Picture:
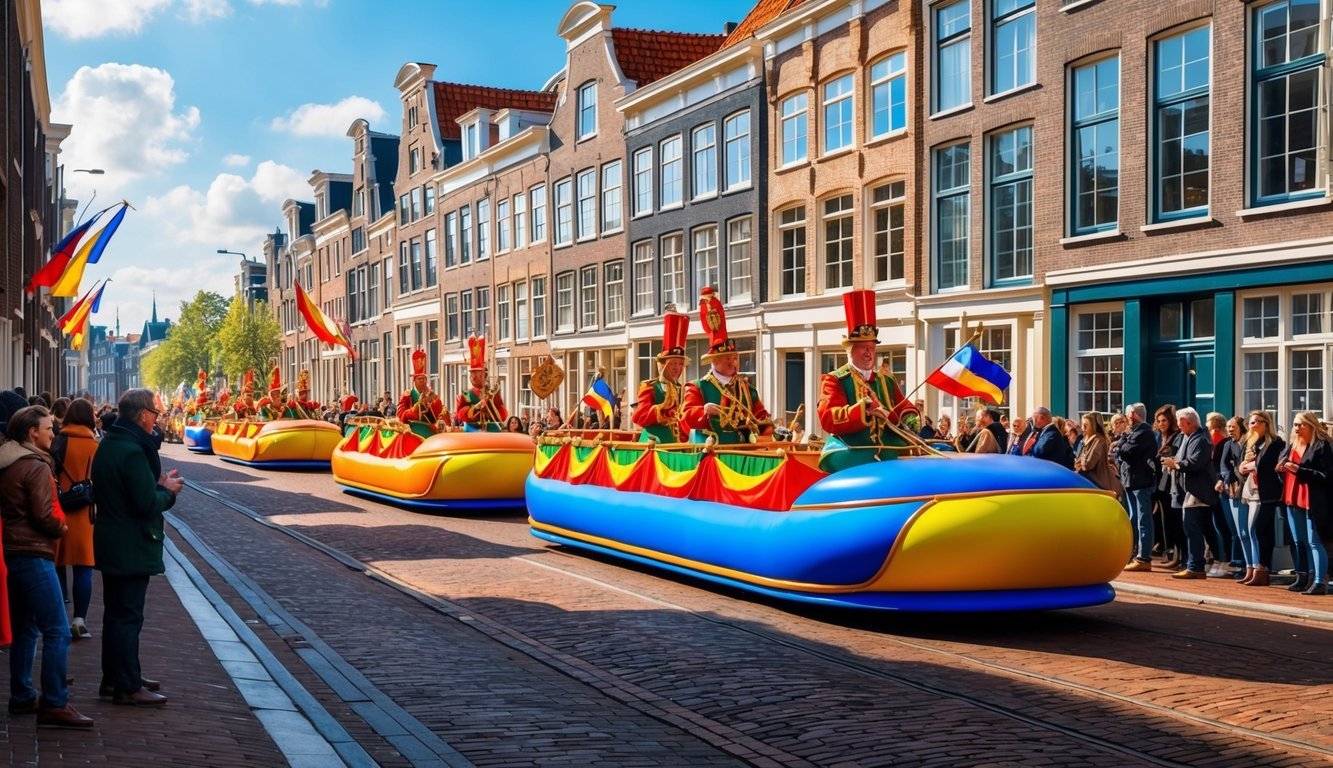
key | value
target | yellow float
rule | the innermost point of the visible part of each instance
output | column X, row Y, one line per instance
column 281, row 443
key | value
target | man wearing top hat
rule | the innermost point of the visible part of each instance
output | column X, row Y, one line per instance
column 275, row 405
column 723, row 405
column 301, row 406
column 660, row 401
column 857, row 403
column 419, row 407
column 479, row 409
column 245, row 402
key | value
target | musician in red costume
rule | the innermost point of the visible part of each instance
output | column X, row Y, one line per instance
column 301, row 406
column 275, row 405
column 245, row 407
column 864, row 408
column 419, row 407
column 480, row 409
column 660, row 402
column 723, row 404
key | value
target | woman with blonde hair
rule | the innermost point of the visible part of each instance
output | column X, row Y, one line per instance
column 1094, row 456
column 1261, row 490
column 1306, row 467
column 1229, row 484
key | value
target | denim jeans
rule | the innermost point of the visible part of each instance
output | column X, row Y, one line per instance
column 1197, row 521
column 83, row 589
column 1316, row 557
column 1240, row 522
column 36, row 608
column 1140, row 516
column 1263, row 531
column 1298, row 522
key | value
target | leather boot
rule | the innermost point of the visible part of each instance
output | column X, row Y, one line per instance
column 1249, row 574
column 1260, row 578
column 1302, row 581
column 1316, row 588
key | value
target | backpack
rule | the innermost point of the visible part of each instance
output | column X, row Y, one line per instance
column 78, row 495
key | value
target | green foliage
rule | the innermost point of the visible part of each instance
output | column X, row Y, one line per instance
column 248, row 338
column 190, row 346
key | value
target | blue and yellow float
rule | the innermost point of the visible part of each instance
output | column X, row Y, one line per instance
column 384, row 459
column 276, row 444
column 198, row 434
column 923, row 532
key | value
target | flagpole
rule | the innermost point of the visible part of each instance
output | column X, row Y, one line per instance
column 970, row 339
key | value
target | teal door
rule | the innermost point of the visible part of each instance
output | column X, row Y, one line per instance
column 1203, row 381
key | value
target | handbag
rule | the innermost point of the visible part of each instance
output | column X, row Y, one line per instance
column 77, row 496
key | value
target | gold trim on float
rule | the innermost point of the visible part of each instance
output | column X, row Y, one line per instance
column 943, row 497
column 796, row 586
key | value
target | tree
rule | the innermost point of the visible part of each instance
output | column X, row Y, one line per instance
column 191, row 345
column 248, row 338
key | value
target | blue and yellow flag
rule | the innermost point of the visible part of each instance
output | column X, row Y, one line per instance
column 600, row 397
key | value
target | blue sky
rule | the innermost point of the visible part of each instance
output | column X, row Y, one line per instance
column 207, row 114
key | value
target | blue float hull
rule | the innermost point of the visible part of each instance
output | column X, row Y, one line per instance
column 198, row 439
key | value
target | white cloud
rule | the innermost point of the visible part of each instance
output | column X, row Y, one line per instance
column 82, row 19
column 233, row 213
column 202, row 10
column 330, row 120
column 125, row 121
column 236, row 161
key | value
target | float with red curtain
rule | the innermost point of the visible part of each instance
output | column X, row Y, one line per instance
column 923, row 531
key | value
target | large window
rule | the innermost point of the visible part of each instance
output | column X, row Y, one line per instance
column 483, row 310
column 520, row 311
column 502, row 231
column 564, row 212
column 1010, row 224
column 450, row 239
column 1259, row 381
column 887, row 212
column 1286, row 349
column 587, row 190
column 465, row 235
column 1307, row 381
column 450, row 318
column 432, row 259
column 612, row 183
column 538, row 196
column 740, row 259
column 588, row 297
column 614, row 303
column 673, row 270
column 564, row 302
column 643, row 278
column 953, row 201
column 888, row 95
column 539, row 307
column 1181, row 117
column 465, row 313
column 706, row 268
column 520, row 220
column 1096, row 146
column 953, row 55
column 703, row 145
column 404, row 272
column 837, row 220
column 587, row 110
column 1286, row 81
column 794, row 129
column 670, row 189
column 483, row 228
column 1013, row 44
column 1100, row 354
column 502, row 312
column 838, row 114
column 736, row 130
column 791, row 229
column 643, row 181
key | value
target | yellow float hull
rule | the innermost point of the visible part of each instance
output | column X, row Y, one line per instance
column 278, row 443
column 475, row 469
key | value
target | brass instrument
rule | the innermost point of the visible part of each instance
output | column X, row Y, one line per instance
column 733, row 413
column 672, row 404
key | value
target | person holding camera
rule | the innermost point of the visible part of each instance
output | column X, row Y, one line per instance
column 73, row 452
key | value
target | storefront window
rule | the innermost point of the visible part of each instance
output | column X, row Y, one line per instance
column 1100, row 377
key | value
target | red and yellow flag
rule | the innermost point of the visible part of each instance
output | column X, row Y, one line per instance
column 324, row 329
column 74, row 323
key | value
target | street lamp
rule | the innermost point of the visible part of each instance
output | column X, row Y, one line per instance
column 92, row 171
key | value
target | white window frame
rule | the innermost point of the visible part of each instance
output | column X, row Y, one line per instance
column 613, row 209
column 671, row 181
column 703, row 165
column 738, row 149
column 794, row 136
column 838, row 104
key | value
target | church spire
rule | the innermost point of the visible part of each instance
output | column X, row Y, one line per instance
column 154, row 307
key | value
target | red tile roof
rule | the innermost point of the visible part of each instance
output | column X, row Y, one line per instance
column 763, row 12
column 647, row 55
column 453, row 100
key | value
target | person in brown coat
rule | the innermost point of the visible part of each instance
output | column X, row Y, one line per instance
column 73, row 451
column 1094, row 456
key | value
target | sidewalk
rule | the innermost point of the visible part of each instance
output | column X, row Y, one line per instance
column 1273, row 600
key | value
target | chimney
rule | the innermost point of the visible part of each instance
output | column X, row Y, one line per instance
column 729, row 27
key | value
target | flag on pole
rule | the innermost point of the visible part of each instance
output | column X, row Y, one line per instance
column 319, row 323
column 61, row 254
column 89, row 253
column 969, row 374
column 75, row 322
column 600, row 397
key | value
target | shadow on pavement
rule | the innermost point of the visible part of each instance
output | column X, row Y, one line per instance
column 406, row 542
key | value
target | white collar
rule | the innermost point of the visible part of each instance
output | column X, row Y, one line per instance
column 864, row 374
column 723, row 380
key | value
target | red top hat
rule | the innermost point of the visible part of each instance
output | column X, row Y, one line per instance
column 275, row 379
column 418, row 363
column 675, row 329
column 476, row 353
column 348, row 403
column 860, row 309
column 714, row 320
column 203, row 380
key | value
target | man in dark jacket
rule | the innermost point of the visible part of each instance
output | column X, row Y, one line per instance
column 1051, row 444
column 1135, row 453
column 1197, row 474
column 132, row 492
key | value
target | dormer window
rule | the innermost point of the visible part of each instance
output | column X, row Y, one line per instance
column 471, row 136
column 411, row 118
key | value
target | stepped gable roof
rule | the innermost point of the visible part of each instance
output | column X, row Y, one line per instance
column 763, row 12
column 453, row 100
column 646, row 55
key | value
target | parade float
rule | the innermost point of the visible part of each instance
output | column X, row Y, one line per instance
column 415, row 460
column 201, row 417
column 276, row 432
column 892, row 524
